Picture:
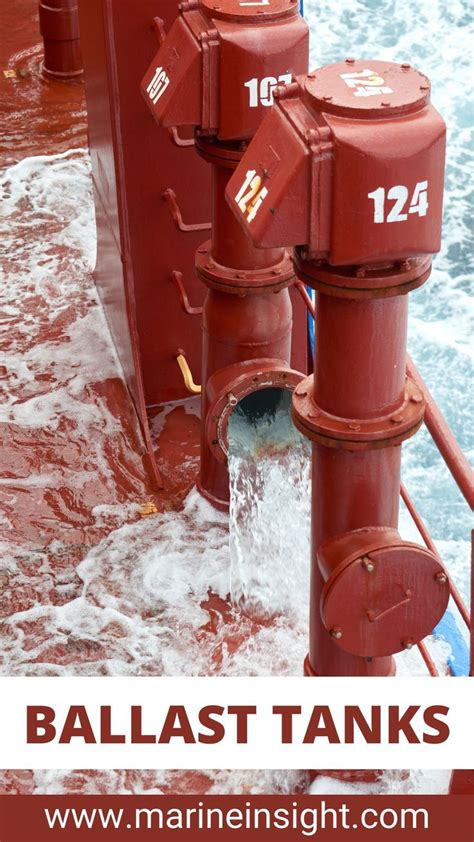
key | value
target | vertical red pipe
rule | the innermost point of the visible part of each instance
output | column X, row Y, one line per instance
column 359, row 372
column 239, row 324
column 231, row 246
column 360, row 355
column 201, row 77
column 59, row 25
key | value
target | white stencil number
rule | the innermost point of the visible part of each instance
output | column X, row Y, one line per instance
column 398, row 195
column 261, row 91
column 366, row 83
column 158, row 85
column 251, row 195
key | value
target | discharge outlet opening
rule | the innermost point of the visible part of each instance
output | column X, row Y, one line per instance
column 264, row 404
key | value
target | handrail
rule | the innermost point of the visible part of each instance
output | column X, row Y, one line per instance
column 191, row 386
column 304, row 295
column 420, row 525
column 169, row 196
column 177, row 278
column 430, row 664
column 444, row 439
column 435, row 421
column 461, row 472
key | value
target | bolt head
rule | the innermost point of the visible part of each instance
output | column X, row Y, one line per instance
column 350, row 60
column 336, row 633
column 441, row 578
column 369, row 565
column 408, row 644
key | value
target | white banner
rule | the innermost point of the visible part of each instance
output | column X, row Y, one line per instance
column 236, row 723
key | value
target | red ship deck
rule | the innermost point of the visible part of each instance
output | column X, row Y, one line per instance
column 72, row 456
column 53, row 478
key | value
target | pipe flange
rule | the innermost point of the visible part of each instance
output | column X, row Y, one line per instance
column 360, row 282
column 381, row 594
column 240, row 281
column 357, row 433
column 218, row 152
column 228, row 386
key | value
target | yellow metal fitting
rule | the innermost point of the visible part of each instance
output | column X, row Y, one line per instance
column 191, row 386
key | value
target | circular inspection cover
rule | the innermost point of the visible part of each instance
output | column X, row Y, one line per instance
column 386, row 601
column 259, row 10
column 368, row 88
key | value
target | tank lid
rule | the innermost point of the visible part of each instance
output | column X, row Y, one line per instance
column 370, row 89
column 256, row 11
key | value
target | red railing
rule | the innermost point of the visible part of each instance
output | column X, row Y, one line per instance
column 444, row 439
column 460, row 470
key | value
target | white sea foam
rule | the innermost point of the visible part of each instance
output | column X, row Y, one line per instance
column 269, row 470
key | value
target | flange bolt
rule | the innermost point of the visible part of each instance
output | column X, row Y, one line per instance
column 368, row 564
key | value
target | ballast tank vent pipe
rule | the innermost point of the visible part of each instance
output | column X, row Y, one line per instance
column 231, row 59
column 364, row 223
column 59, row 25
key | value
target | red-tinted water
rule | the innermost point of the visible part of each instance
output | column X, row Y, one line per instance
column 38, row 116
column 53, row 475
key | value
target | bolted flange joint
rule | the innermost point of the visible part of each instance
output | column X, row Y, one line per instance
column 243, row 281
column 357, row 433
column 362, row 282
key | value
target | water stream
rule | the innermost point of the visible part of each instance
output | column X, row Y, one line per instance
column 269, row 527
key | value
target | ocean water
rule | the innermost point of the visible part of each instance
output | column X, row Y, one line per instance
column 434, row 36
column 169, row 594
